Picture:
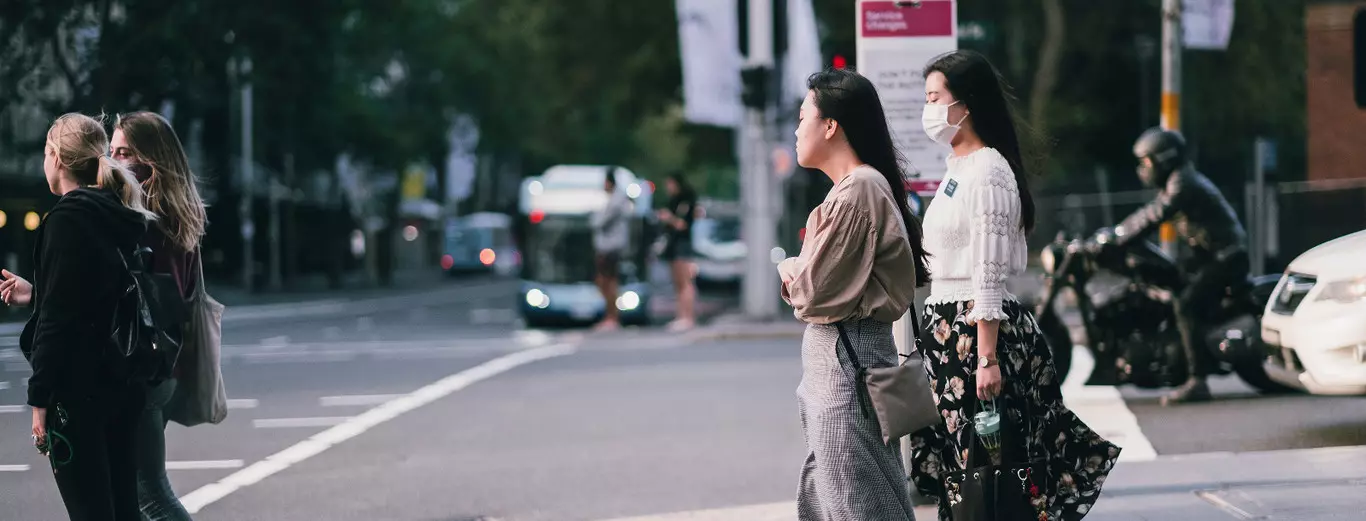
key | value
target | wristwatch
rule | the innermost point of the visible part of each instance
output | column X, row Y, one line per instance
column 984, row 362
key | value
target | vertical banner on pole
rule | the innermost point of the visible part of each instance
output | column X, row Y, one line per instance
column 894, row 45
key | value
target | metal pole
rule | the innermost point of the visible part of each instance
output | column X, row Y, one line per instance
column 761, row 282
column 1257, row 213
column 1171, row 90
column 245, row 208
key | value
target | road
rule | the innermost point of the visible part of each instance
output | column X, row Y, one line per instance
column 437, row 406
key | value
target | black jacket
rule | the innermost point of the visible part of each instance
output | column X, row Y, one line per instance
column 1196, row 207
column 76, row 284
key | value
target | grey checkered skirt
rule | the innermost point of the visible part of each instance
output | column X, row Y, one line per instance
column 849, row 475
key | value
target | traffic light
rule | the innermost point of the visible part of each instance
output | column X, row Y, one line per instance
column 755, row 80
column 839, row 62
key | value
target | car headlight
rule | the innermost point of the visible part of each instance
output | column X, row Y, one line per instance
column 628, row 301
column 537, row 299
column 1344, row 291
column 1048, row 259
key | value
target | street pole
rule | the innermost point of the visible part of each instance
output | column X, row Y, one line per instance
column 1171, row 91
column 756, row 181
column 245, row 207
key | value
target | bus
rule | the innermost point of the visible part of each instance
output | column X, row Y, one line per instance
column 481, row 243
column 558, row 260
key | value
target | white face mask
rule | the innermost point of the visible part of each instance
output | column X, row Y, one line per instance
column 936, row 123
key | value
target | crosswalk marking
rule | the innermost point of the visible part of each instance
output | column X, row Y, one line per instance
column 356, row 400
column 242, row 403
column 287, row 423
column 13, row 408
column 1103, row 408
column 205, row 464
column 14, row 468
column 784, row 511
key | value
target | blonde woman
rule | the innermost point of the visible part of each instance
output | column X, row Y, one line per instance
column 84, row 414
column 146, row 143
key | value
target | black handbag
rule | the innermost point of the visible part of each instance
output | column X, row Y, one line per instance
column 1010, row 491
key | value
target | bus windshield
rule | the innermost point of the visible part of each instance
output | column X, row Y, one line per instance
column 559, row 250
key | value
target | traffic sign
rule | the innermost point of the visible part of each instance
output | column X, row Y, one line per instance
column 896, row 40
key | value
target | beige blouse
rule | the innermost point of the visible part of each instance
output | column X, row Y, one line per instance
column 856, row 262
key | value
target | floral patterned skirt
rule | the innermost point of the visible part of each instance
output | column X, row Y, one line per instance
column 1077, row 459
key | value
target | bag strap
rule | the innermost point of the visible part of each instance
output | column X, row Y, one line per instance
column 199, row 291
column 860, row 385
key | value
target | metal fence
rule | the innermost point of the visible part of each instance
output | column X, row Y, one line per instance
column 1292, row 217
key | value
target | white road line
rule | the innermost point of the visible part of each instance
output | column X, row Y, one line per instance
column 4, row 385
column 785, row 511
column 288, row 423
column 205, row 464
column 14, row 468
column 1104, row 410
column 243, row 403
column 356, row 400
column 275, row 341
column 316, row 444
column 13, row 408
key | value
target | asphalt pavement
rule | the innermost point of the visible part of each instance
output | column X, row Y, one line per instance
column 435, row 404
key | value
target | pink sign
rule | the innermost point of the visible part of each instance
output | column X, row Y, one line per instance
column 924, row 186
column 886, row 19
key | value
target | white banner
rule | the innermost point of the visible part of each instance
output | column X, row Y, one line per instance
column 894, row 45
column 708, row 41
column 803, row 50
column 1206, row 24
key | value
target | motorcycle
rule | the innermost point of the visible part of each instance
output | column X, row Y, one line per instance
column 1131, row 328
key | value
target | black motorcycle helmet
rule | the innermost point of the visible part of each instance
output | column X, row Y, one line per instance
column 1166, row 149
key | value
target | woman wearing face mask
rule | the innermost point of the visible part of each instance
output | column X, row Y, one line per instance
column 856, row 274
column 149, row 146
column 84, row 410
column 980, row 343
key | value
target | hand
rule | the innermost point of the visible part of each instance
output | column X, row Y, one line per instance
column 14, row 290
column 39, row 426
column 989, row 382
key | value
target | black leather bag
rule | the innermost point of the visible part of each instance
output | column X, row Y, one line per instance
column 1010, row 491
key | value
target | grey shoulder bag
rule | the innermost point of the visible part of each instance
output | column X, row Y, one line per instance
column 899, row 396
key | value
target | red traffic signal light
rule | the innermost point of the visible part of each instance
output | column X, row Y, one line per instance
column 839, row 62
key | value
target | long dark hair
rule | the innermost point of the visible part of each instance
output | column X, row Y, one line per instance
column 852, row 101
column 975, row 82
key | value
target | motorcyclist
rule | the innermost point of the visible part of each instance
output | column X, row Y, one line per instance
column 1216, row 238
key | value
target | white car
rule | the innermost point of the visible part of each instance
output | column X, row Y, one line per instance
column 1315, row 322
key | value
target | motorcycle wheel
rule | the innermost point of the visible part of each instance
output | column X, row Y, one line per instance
column 1254, row 374
column 1059, row 341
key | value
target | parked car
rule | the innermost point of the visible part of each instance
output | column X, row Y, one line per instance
column 719, row 254
column 480, row 242
column 1315, row 323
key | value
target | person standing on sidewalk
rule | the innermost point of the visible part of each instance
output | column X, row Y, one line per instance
column 84, row 414
column 146, row 143
column 858, row 269
column 610, row 235
column 678, row 220
column 975, row 332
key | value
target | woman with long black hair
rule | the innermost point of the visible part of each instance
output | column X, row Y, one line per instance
column 980, row 344
column 857, row 272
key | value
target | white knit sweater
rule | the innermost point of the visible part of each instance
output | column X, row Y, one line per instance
column 973, row 234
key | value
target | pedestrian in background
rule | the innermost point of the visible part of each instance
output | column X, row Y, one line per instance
column 857, row 273
column 980, row 344
column 678, row 249
column 84, row 413
column 150, row 148
column 610, row 235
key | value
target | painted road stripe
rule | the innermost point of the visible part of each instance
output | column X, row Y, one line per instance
column 205, row 464
column 785, row 511
column 4, row 385
column 354, row 400
column 243, row 403
column 13, row 408
column 14, row 468
column 1103, row 409
column 287, row 423
column 316, row 444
